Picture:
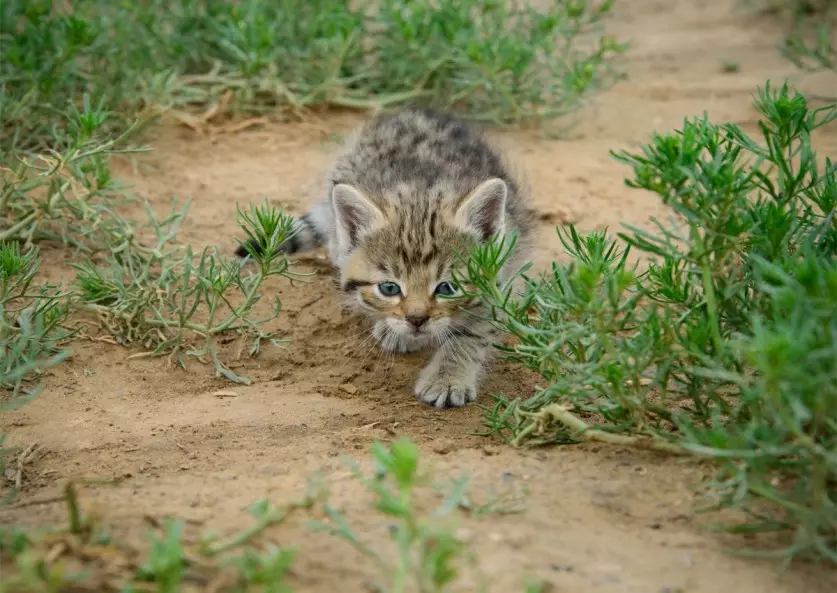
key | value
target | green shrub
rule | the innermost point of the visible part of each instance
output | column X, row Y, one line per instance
column 481, row 57
column 724, row 345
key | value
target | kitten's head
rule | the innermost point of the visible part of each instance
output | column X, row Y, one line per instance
column 396, row 261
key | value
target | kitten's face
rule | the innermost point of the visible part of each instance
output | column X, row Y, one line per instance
column 398, row 255
column 408, row 284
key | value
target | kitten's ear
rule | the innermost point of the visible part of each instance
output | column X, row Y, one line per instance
column 483, row 211
column 354, row 215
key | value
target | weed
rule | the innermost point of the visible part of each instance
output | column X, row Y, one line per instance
column 32, row 324
column 483, row 58
column 157, row 294
column 83, row 557
column 730, row 66
column 724, row 346
column 426, row 552
column 154, row 299
column 810, row 45
column 812, row 52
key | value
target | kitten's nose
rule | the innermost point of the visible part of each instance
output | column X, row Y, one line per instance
column 417, row 319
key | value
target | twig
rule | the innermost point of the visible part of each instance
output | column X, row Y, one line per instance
column 21, row 461
column 72, row 508
column 562, row 414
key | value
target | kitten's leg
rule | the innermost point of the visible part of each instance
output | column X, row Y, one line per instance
column 312, row 230
column 451, row 378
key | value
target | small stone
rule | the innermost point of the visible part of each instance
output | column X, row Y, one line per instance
column 561, row 567
column 491, row 450
column 349, row 388
column 443, row 447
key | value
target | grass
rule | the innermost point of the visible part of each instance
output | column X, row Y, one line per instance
column 488, row 60
column 724, row 347
column 32, row 323
column 426, row 552
column 83, row 556
column 810, row 44
column 135, row 284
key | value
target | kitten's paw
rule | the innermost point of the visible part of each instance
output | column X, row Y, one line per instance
column 444, row 391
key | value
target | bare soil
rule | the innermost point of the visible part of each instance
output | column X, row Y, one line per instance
column 597, row 518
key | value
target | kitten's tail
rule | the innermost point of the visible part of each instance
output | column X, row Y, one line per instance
column 310, row 233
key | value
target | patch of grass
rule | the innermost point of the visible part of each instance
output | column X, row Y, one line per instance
column 814, row 51
column 167, row 297
column 138, row 284
column 810, row 45
column 724, row 347
column 427, row 552
column 32, row 324
column 730, row 66
column 483, row 58
column 82, row 556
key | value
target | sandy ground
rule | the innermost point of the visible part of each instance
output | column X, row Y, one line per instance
column 596, row 518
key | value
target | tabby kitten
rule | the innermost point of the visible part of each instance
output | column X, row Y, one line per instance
column 410, row 189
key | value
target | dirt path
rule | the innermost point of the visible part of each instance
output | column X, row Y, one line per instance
column 597, row 518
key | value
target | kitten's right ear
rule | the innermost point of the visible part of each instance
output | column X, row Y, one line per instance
column 354, row 215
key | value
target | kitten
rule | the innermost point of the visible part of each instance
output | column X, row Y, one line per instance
column 410, row 189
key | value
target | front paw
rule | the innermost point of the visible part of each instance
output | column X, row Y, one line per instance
column 445, row 391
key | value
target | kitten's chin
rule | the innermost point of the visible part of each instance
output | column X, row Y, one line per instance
column 393, row 336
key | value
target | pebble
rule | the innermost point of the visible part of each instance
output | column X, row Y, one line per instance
column 443, row 447
column 349, row 388
column 562, row 567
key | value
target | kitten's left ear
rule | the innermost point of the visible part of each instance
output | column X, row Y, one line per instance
column 483, row 211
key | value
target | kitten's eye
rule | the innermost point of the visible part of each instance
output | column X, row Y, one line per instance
column 389, row 289
column 445, row 289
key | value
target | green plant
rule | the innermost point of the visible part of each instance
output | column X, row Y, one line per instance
column 164, row 562
column 164, row 295
column 811, row 52
column 32, row 324
column 810, row 46
column 495, row 61
column 722, row 345
column 141, row 286
column 206, row 59
column 426, row 551
column 78, row 556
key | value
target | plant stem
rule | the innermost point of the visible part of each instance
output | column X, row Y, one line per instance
column 559, row 413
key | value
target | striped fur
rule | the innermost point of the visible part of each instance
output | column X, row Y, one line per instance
column 410, row 189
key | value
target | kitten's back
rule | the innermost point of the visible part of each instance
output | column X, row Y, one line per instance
column 428, row 155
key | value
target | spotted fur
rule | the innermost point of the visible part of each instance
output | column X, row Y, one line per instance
column 410, row 189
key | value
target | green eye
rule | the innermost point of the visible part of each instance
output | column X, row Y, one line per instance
column 445, row 289
column 389, row 289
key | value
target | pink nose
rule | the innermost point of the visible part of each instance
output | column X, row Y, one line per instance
column 417, row 320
